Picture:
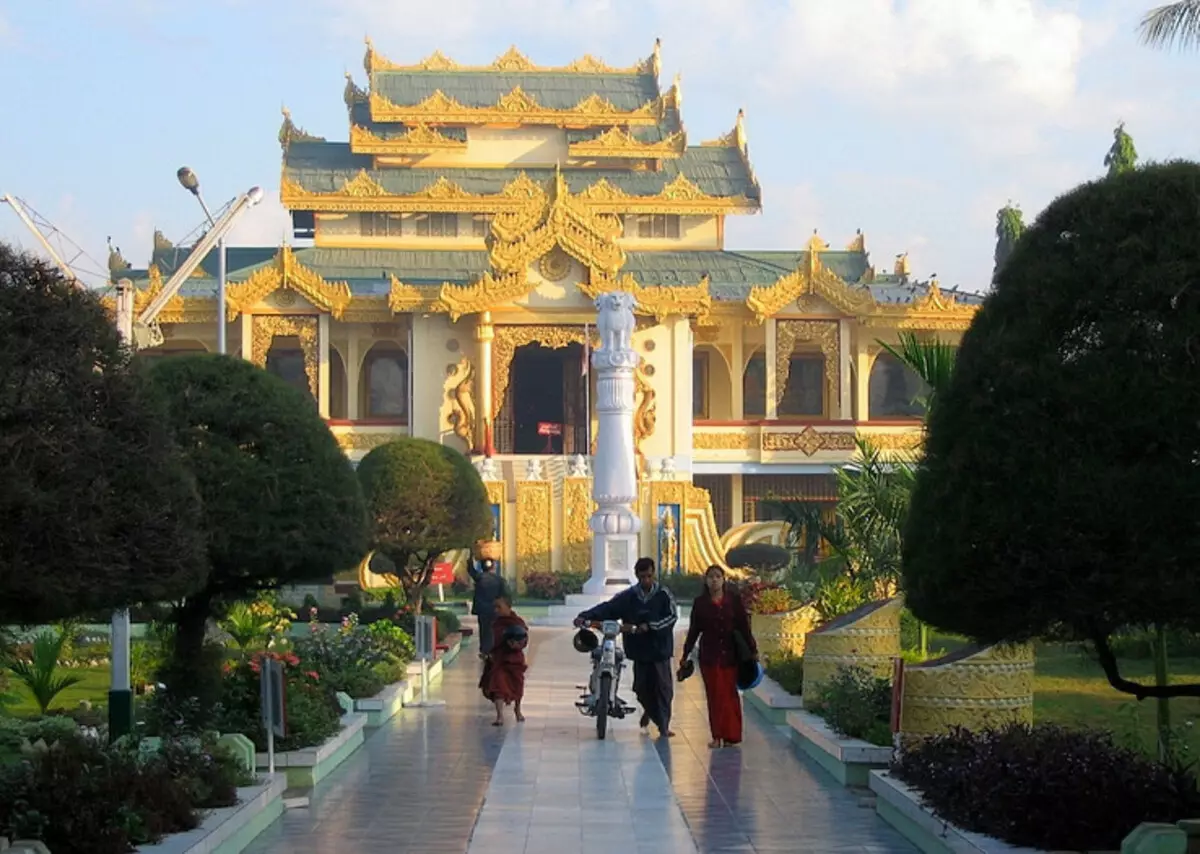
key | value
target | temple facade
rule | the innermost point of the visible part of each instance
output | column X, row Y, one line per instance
column 441, row 285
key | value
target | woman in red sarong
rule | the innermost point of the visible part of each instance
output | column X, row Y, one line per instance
column 717, row 614
column 503, row 679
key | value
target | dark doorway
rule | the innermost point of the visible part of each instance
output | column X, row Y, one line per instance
column 545, row 387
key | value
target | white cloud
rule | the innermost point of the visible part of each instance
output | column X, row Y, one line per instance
column 266, row 224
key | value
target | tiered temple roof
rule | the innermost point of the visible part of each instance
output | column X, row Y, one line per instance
column 627, row 152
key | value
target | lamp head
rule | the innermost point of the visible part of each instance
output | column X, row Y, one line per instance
column 255, row 195
column 189, row 180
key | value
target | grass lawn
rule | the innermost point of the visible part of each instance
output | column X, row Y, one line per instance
column 1071, row 690
column 94, row 688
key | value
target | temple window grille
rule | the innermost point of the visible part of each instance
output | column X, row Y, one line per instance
column 759, row 488
column 720, row 489
column 652, row 226
column 436, row 224
column 380, row 225
column 481, row 225
column 804, row 393
column 700, row 386
column 754, row 388
column 384, row 391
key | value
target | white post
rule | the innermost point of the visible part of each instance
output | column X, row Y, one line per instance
column 221, row 296
column 120, row 694
column 614, row 525
column 425, row 651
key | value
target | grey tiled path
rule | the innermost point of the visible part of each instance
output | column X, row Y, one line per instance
column 425, row 783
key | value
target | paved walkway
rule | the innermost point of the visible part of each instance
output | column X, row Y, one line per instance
column 444, row 781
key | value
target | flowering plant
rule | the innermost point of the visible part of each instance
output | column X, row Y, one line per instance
column 261, row 623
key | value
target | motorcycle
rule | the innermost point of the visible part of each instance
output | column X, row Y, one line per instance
column 602, row 700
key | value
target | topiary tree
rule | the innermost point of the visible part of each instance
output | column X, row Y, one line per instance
column 762, row 558
column 423, row 499
column 97, row 509
column 1057, row 495
column 1010, row 225
column 1122, row 155
column 281, row 502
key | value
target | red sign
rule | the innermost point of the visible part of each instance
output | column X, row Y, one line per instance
column 897, row 692
column 443, row 573
column 548, row 428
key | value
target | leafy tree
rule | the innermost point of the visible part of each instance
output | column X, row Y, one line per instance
column 1057, row 494
column 1172, row 24
column 281, row 502
column 1010, row 225
column 97, row 509
column 1122, row 156
column 423, row 499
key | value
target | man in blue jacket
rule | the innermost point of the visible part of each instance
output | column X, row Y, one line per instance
column 648, row 611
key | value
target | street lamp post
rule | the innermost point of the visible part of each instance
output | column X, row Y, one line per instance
column 192, row 184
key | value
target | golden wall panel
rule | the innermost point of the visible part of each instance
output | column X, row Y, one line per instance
column 870, row 641
column 784, row 634
column 577, row 537
column 534, row 541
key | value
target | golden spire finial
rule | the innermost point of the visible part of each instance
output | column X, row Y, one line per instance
column 656, row 58
column 859, row 243
column 369, row 55
column 739, row 129
column 902, row 268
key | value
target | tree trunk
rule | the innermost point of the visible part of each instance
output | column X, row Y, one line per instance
column 191, row 627
column 1163, row 703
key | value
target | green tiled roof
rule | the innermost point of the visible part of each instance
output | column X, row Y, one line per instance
column 236, row 258
column 323, row 167
column 360, row 114
column 848, row 265
column 554, row 90
column 688, row 267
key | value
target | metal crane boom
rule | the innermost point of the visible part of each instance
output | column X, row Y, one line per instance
column 19, row 209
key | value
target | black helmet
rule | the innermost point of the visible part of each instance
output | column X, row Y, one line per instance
column 585, row 640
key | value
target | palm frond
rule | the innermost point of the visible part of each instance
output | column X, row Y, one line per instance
column 932, row 361
column 1172, row 25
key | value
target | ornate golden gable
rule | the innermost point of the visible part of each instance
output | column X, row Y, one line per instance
column 617, row 142
column 420, row 139
column 440, row 108
column 179, row 309
column 810, row 278
column 512, row 60
column 285, row 271
column 657, row 301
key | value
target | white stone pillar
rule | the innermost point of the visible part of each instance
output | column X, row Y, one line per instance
column 614, row 525
column 485, row 334
column 323, row 365
column 353, row 367
column 737, row 374
column 845, row 401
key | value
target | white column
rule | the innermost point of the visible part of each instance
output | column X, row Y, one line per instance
column 681, row 393
column 737, row 371
column 485, row 333
column 323, row 365
column 614, row 525
column 772, row 346
column 862, row 385
column 845, row 411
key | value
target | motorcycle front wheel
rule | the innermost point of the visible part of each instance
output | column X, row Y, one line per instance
column 602, row 700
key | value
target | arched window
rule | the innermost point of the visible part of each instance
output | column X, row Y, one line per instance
column 385, row 382
column 754, row 387
column 285, row 360
column 804, row 391
column 895, row 390
column 337, row 385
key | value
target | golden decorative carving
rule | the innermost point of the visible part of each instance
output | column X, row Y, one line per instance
column 462, row 402
column 788, row 333
column 577, row 511
column 363, row 193
column 517, row 104
column 810, row 278
column 404, row 298
column 868, row 639
column 356, row 441
column 703, row 440
column 510, row 61
column 784, row 634
column 992, row 687
column 858, row 244
column 617, row 142
column 555, row 265
column 533, row 526
column 700, row 540
column 645, row 416
column 509, row 338
column 177, row 310
column 420, row 139
column 808, row 441
column 286, row 271
column 909, row 441
column 266, row 329
column 289, row 132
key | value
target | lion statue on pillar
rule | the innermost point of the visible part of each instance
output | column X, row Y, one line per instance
column 615, row 322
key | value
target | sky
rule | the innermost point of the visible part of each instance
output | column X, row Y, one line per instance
column 913, row 120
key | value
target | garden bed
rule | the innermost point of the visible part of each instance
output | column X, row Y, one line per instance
column 383, row 706
column 232, row 829
column 305, row 768
column 772, row 701
column 849, row 760
column 900, row 806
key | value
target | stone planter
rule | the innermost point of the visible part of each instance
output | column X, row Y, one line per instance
column 772, row 702
column 900, row 806
column 783, row 634
column 849, row 760
column 231, row 829
column 305, row 768
column 383, row 706
column 867, row 638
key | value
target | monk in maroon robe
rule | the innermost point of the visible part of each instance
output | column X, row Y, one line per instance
column 503, row 679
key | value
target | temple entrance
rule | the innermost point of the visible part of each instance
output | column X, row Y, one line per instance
column 545, row 404
column 285, row 360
